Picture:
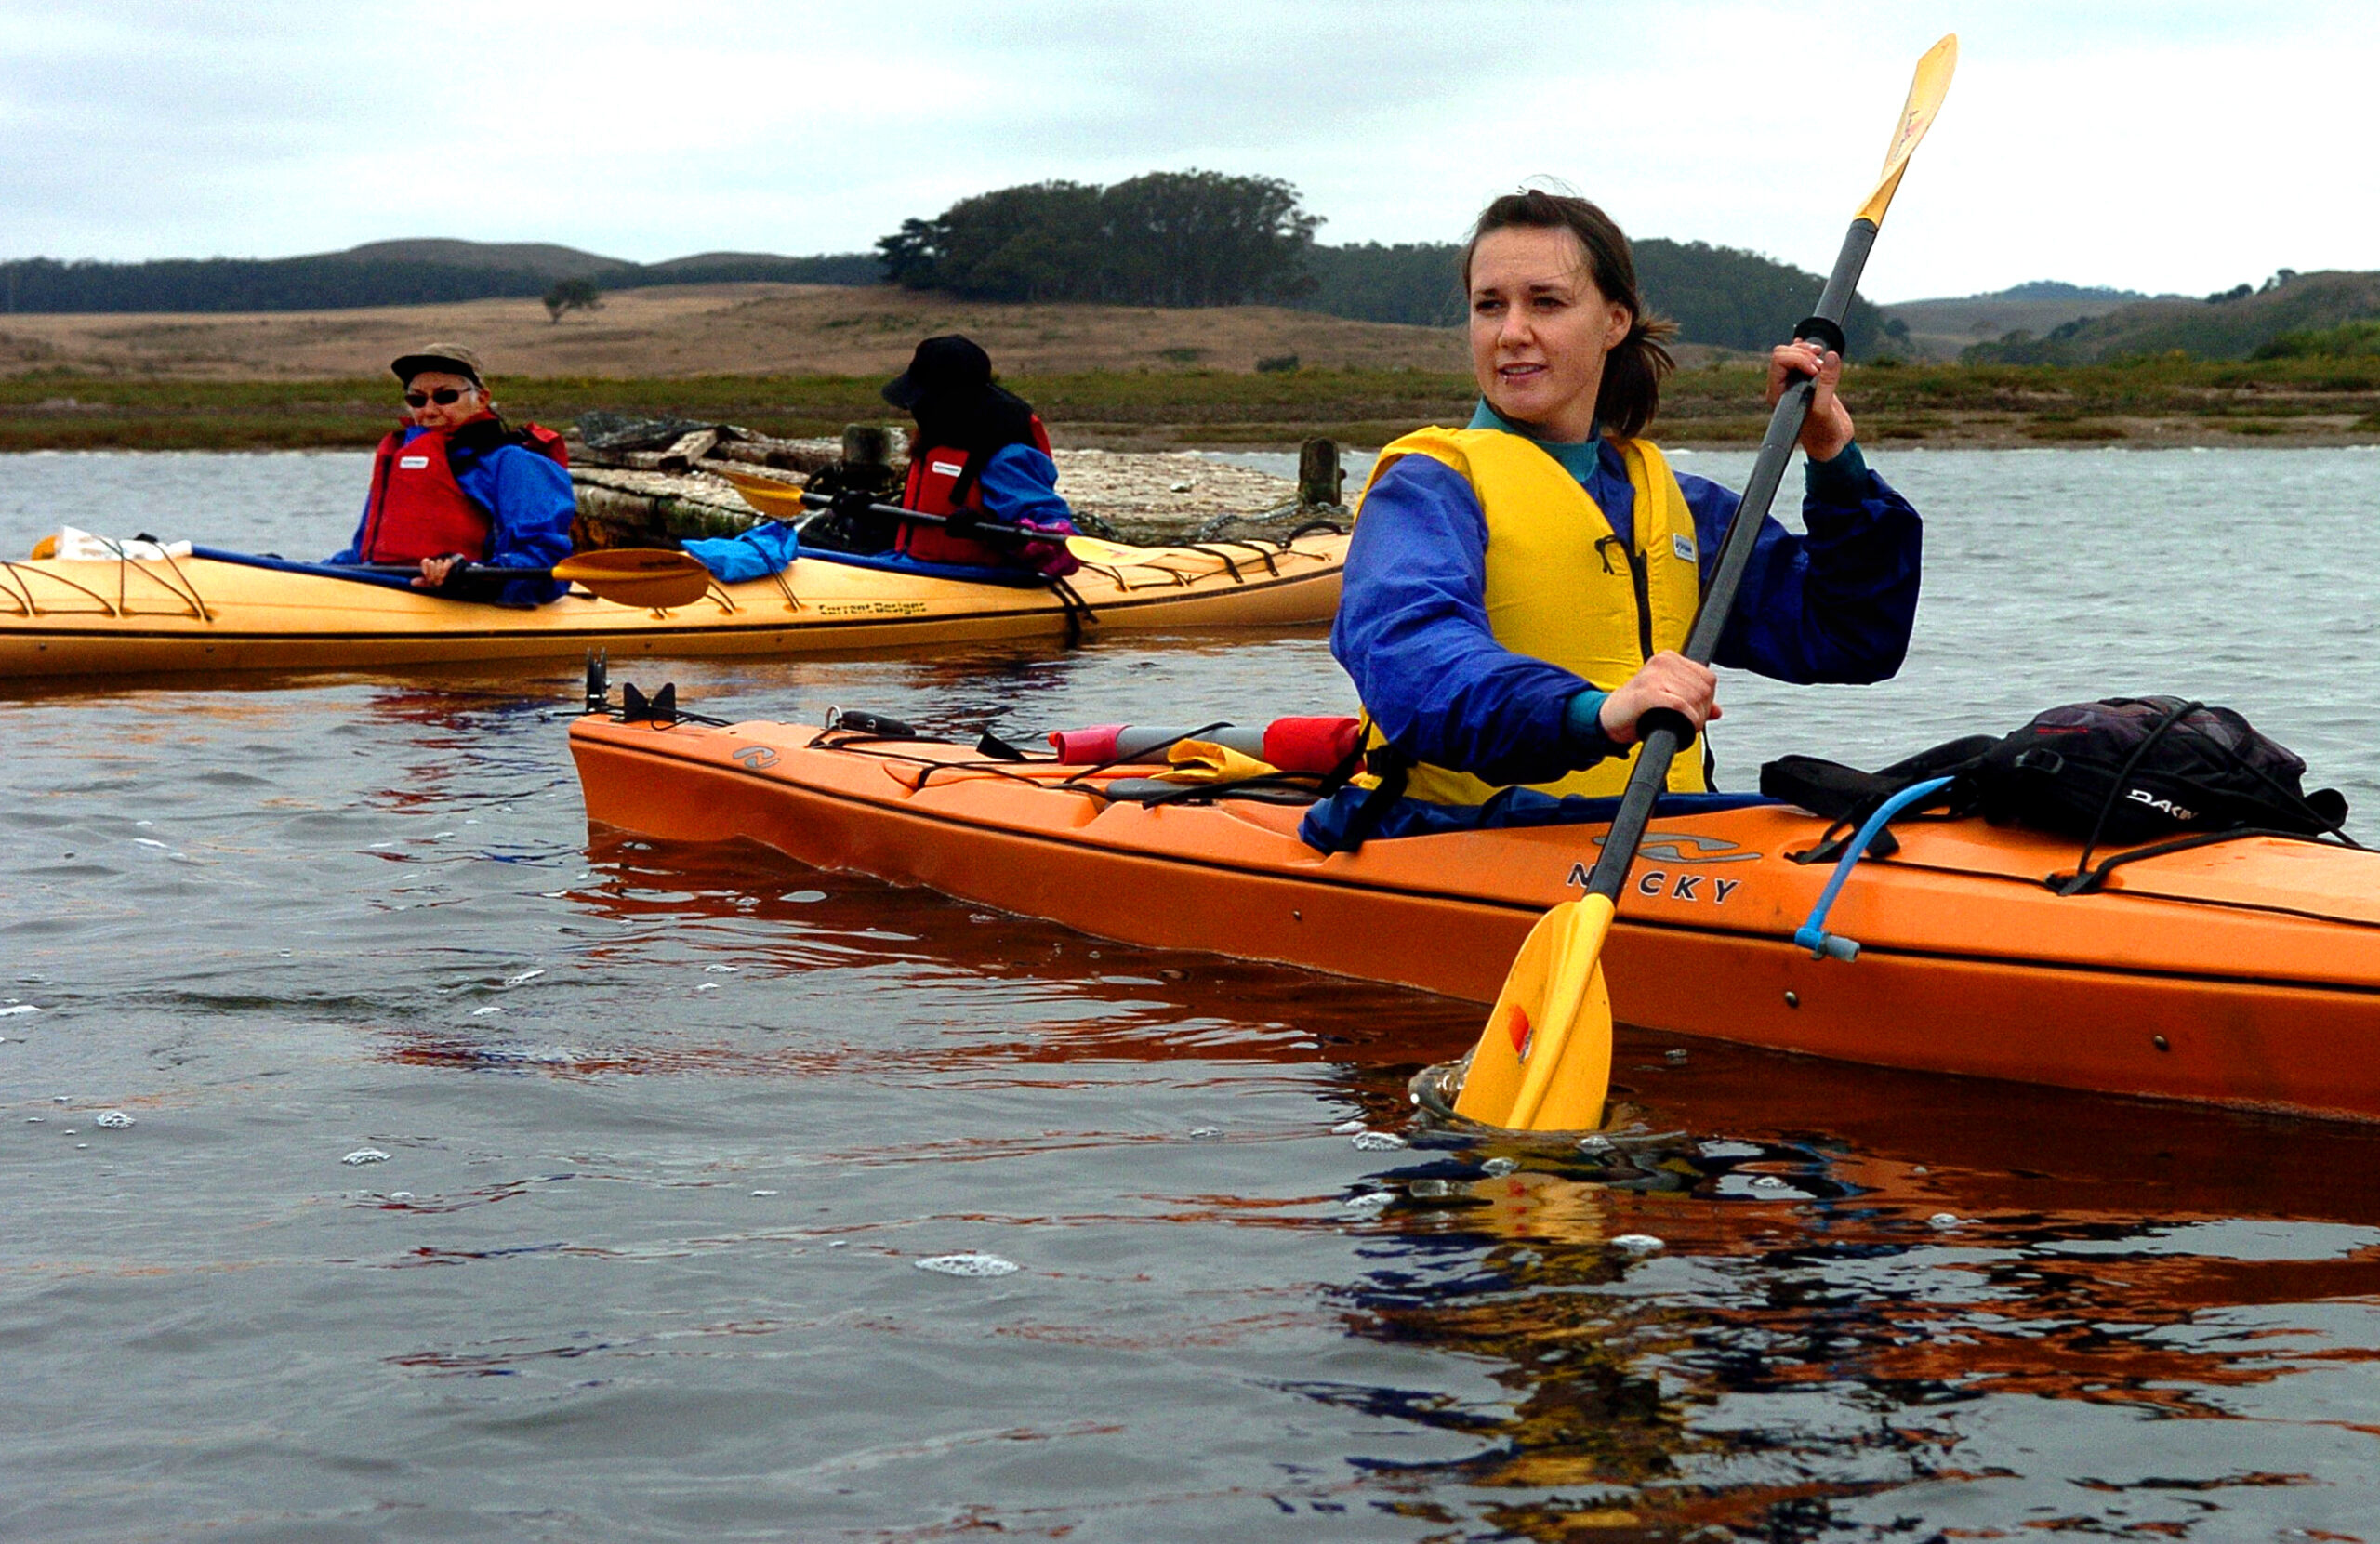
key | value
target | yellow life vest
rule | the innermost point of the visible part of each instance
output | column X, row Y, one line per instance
column 1562, row 588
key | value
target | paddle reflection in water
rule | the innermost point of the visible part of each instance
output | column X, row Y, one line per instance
column 1794, row 1300
column 1841, row 1334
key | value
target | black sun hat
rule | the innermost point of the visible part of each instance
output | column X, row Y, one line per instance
column 948, row 366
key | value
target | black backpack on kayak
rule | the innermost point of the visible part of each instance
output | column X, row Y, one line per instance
column 2126, row 770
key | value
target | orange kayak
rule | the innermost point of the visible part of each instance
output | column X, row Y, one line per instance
column 2244, row 973
column 61, row 616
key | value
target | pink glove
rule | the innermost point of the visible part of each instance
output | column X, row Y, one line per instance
column 1050, row 559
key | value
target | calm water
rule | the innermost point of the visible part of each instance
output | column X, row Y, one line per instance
column 649, row 1142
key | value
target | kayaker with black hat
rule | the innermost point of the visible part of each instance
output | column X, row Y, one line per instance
column 1517, row 590
column 980, row 459
column 453, row 484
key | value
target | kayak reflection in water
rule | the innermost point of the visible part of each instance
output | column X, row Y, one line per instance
column 1518, row 589
column 454, row 484
column 978, row 459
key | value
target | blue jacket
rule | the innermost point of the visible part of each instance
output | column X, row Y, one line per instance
column 1019, row 483
column 1835, row 605
column 530, row 507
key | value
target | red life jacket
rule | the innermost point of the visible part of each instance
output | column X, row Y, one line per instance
column 936, row 473
column 417, row 509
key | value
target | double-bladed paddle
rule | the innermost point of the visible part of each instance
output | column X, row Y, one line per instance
column 1543, row 1063
column 988, row 530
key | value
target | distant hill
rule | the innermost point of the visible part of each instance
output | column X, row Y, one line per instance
column 2052, row 289
column 541, row 258
column 1946, row 328
column 2235, row 324
column 1718, row 295
column 413, row 272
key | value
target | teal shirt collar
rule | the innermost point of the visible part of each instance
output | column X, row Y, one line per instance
column 1579, row 459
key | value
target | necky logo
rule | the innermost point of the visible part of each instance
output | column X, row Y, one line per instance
column 1672, row 847
column 1679, row 847
column 755, row 757
column 2142, row 796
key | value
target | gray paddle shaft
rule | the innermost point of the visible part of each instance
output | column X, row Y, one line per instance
column 1665, row 733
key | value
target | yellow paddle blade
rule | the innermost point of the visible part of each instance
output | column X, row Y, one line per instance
column 1927, row 89
column 636, row 575
column 1544, row 1063
column 777, row 499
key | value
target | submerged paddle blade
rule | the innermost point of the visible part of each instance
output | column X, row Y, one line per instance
column 1544, row 1063
column 636, row 575
column 1927, row 89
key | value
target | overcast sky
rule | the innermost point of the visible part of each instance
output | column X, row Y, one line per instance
column 2182, row 146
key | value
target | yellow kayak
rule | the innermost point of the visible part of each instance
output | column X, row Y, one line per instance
column 61, row 616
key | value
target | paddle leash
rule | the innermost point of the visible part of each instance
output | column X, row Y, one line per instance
column 1543, row 1063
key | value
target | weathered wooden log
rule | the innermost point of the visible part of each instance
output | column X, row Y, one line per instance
column 777, row 456
column 716, row 465
column 632, row 509
column 683, row 452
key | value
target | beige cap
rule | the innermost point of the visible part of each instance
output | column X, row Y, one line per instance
column 452, row 358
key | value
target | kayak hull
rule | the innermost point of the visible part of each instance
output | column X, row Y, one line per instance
column 2246, row 975
column 60, row 617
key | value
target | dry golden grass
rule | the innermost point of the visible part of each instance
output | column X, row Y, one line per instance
column 710, row 330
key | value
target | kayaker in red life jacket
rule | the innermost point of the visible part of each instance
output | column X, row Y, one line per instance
column 454, row 484
column 1517, row 591
column 981, row 457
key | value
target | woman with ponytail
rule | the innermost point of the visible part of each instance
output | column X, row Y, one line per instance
column 1517, row 590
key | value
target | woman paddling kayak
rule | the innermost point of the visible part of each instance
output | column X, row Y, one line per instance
column 1517, row 590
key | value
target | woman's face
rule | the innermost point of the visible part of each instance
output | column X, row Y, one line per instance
column 1540, row 329
column 464, row 400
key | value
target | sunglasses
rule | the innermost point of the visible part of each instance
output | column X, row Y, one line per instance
column 445, row 396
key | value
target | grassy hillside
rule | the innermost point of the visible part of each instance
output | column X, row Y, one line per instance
column 2229, row 326
column 1942, row 329
column 693, row 330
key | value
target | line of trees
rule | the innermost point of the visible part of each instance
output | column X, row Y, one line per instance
column 334, row 281
column 1716, row 294
column 1206, row 239
column 1740, row 299
column 1167, row 239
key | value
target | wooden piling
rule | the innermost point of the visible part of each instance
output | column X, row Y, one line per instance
column 1321, row 480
